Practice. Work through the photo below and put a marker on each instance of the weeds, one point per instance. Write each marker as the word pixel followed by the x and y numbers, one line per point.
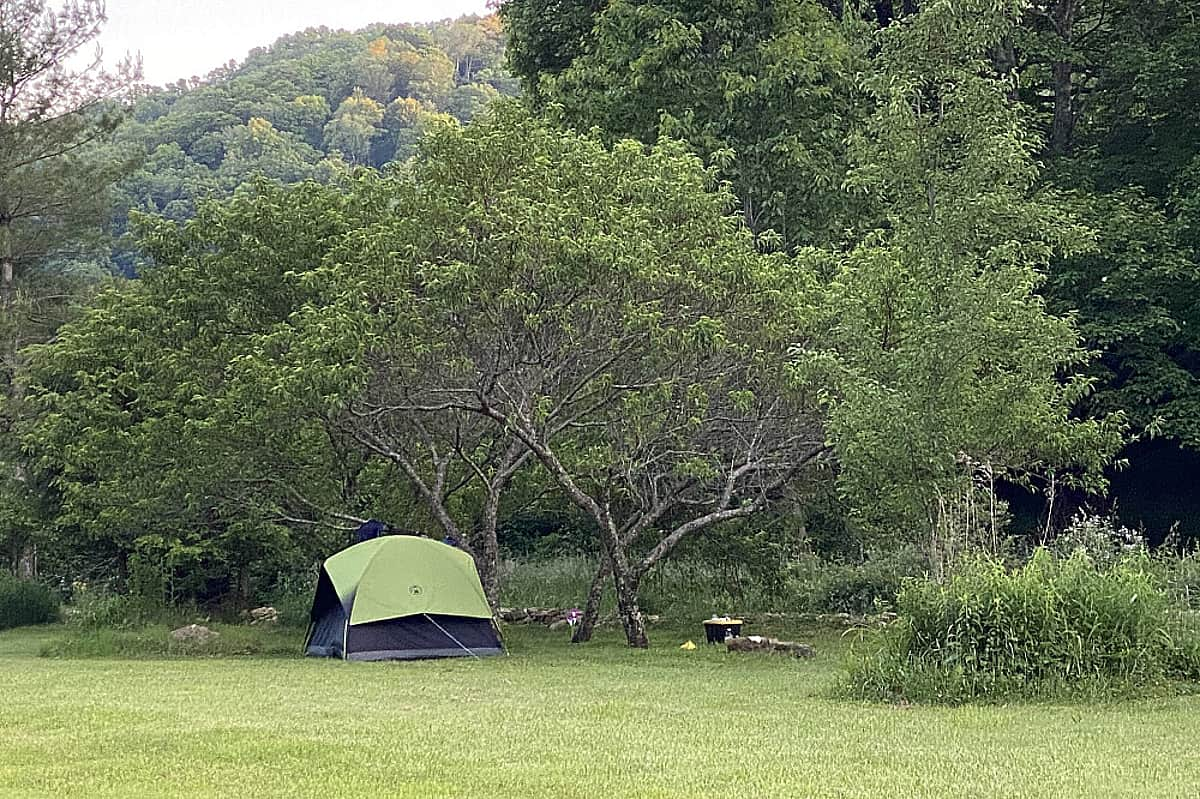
pixel 1053 627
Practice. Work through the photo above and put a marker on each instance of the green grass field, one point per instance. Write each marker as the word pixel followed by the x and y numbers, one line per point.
pixel 551 720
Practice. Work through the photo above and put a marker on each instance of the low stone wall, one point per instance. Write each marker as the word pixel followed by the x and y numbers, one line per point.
pixel 554 618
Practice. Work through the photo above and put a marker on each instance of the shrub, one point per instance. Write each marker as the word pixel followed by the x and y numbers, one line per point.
pixel 91 608
pixel 1183 656
pixel 1105 541
pixel 23 603
pixel 1051 627
pixel 819 586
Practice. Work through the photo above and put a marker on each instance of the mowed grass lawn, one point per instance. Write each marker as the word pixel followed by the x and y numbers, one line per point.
pixel 552 720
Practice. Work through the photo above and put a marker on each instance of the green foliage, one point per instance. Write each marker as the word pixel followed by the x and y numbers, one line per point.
pixel 869 587
pixel 1115 87
pixel 1182 576
pixel 292 598
pixel 1136 295
pixel 767 92
pixel 560 582
pixel 1107 98
pixel 1102 539
pixel 92 608
pixel 353 127
pixel 148 447
pixel 23 603
pixel 1054 625
pixel 941 366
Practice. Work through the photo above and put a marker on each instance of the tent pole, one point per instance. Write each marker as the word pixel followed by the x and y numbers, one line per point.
pixel 308 635
pixel 451 637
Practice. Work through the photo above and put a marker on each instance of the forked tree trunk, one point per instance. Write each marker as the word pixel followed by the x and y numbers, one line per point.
pixel 626 585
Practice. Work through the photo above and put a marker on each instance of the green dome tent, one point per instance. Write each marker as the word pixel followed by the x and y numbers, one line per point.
pixel 400 597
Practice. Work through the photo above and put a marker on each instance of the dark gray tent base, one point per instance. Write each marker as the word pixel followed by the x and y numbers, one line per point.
pixel 407 638
pixel 420 654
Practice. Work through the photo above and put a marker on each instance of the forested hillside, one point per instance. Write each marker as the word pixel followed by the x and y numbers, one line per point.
pixel 310 105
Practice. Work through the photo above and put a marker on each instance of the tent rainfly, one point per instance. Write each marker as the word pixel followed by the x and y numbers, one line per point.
pixel 401 597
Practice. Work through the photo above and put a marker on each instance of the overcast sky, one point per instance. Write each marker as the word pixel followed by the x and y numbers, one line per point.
pixel 182 38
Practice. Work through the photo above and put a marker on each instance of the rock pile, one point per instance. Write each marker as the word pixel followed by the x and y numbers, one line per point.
pixel 264 615
pixel 194 634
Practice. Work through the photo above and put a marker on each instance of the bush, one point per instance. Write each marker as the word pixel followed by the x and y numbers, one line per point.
pixel 23 603
pixel 1105 541
pixel 1052 627
pixel 818 586
pixel 1183 656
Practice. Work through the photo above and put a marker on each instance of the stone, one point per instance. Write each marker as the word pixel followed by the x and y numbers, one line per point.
pixel 561 624
pixel 264 615
pixel 194 634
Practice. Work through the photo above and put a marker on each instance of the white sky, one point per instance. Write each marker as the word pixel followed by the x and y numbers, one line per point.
pixel 183 38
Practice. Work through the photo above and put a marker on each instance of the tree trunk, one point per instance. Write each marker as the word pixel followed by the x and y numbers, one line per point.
pixel 27 559
pixel 631 615
pixel 1063 73
pixel 487 551
pixel 1064 112
pixel 623 578
pixel 244 585
pixel 626 584
pixel 7 260
pixel 591 610
pixel 27 562
pixel 6 276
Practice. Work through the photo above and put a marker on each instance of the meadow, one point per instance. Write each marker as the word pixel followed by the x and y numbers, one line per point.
pixel 552 720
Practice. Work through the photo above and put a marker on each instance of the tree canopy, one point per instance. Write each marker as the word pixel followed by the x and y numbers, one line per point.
pixel 721 262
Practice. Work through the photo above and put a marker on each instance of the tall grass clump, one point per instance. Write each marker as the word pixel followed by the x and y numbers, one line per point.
pixel 1053 627
pixel 23 603
pixel 553 583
